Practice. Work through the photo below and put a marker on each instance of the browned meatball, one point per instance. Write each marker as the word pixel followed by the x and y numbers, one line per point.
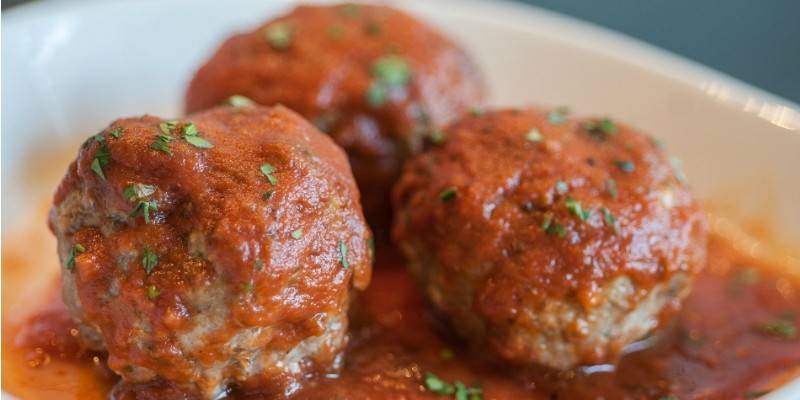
pixel 374 78
pixel 219 248
pixel 549 240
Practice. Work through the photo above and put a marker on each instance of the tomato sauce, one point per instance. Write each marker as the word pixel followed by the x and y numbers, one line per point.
pixel 736 337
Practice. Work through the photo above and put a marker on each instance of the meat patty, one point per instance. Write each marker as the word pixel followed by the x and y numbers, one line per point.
pixel 215 249
pixel 377 80
pixel 546 239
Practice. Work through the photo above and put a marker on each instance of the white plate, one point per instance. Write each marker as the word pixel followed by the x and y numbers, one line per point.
pixel 69 68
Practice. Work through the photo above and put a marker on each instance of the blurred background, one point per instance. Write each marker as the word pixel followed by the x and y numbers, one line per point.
pixel 756 41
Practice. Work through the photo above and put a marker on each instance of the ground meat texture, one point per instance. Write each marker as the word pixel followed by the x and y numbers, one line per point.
pixel 377 80
pixel 549 240
pixel 221 248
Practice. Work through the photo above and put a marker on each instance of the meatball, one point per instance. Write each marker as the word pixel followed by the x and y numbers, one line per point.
pixel 376 79
pixel 549 240
pixel 221 248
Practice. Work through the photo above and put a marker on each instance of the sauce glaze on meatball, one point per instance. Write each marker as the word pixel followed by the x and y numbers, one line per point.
pixel 219 248
pixel 549 240
pixel 376 79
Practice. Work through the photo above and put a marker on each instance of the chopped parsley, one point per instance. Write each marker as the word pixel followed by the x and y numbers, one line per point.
pixel 267 170
pixel 600 129
pixel 343 254
pixel 137 191
pixel 441 387
pixel 534 135
pixel 611 186
pixel 117 132
pixel 448 194
pixel 167 126
pixel 239 101
pixel 561 187
pixel 575 208
pixel 609 219
pixel 161 143
pixel 297 233
pixel 437 137
pixel 268 194
pixel 350 9
pixel 152 292
pixel 191 135
pixel 782 327
pixel 388 72
pixel 558 116
pixel 258 265
pixel 74 252
pixel 279 35
pixel 625 166
pixel 145 208
pixel 553 228
pixel 101 158
pixel 149 259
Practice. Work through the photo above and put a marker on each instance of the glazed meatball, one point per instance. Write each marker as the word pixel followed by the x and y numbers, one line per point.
pixel 549 240
pixel 221 248
pixel 377 80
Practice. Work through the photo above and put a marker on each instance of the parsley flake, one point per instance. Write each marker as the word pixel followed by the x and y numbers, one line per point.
pixel 145 208
pixel 101 158
pixel 267 170
pixel 239 101
pixel 343 254
pixel 552 228
pixel 297 233
pixel 268 194
pixel 561 187
pixel 279 35
pixel 149 259
pixel 534 135
pixel 609 219
pixel 167 126
pixel 152 292
pixel 117 132
pixel 782 327
pixel 602 128
pixel 448 194
pixel 441 387
pixel 437 137
pixel 74 252
pixel 575 208
pixel 259 265
pixel 372 28
pixel 388 72
pixel 611 186
pixel 137 191
pixel 558 116
pixel 161 143
pixel 625 166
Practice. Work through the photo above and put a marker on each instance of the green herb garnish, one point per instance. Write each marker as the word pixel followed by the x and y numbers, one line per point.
pixel 149 259
pixel 534 135
pixel 558 116
pixel 441 387
pixel 390 71
pixel 267 170
pixel 167 126
pixel 372 28
pixel 161 143
pixel 476 111
pixel 279 35
pixel 239 101
pixel 268 194
pixel 74 252
pixel 782 327
pixel 561 187
pixel 350 9
pixel 625 166
pixel 575 208
pixel 609 219
pixel 191 135
pixel 552 228
pixel 117 132
pixel 137 191
pixel 437 137
pixel 101 158
pixel 601 128
pixel 448 194
pixel 611 186
pixel 144 208
pixel 343 254
pixel 152 292
pixel 297 233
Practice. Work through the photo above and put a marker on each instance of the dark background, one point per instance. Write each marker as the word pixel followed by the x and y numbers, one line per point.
pixel 757 41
